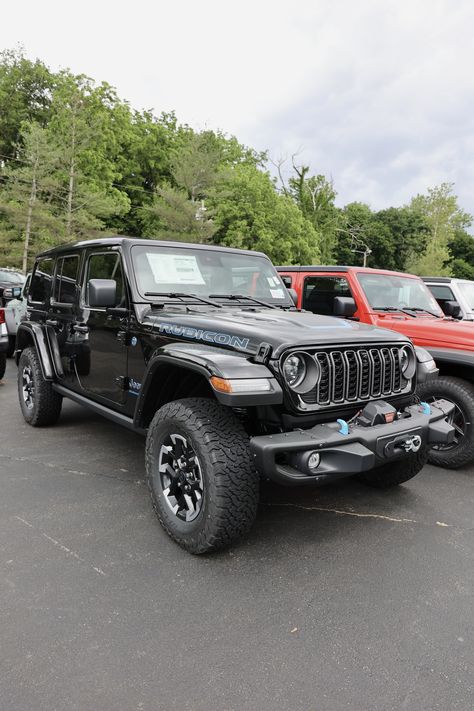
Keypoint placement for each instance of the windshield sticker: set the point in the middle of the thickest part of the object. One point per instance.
(277, 293)
(175, 268)
(198, 334)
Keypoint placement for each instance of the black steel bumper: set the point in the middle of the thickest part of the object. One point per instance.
(279, 456)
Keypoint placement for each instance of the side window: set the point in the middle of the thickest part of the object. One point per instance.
(319, 293)
(40, 286)
(65, 286)
(106, 265)
(287, 280)
(441, 293)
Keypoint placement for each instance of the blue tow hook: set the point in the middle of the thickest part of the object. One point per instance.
(344, 427)
(426, 408)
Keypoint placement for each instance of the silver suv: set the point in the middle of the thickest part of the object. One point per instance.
(455, 296)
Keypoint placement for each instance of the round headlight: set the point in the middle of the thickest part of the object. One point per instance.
(407, 363)
(294, 370)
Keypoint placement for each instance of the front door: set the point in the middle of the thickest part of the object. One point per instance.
(102, 358)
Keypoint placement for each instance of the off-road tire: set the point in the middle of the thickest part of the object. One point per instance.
(3, 364)
(46, 402)
(461, 392)
(397, 472)
(231, 485)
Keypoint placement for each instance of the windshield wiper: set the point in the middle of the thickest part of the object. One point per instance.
(182, 295)
(393, 308)
(418, 308)
(234, 297)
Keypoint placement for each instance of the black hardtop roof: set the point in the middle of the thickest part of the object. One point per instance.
(439, 280)
(122, 240)
(309, 267)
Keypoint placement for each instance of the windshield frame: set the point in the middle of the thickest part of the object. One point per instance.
(430, 307)
(190, 289)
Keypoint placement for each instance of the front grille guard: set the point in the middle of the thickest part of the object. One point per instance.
(351, 374)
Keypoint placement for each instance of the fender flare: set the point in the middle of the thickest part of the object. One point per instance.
(209, 361)
(44, 340)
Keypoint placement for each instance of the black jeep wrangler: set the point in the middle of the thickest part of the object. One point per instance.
(202, 350)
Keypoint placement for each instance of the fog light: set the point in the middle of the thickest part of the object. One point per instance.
(314, 460)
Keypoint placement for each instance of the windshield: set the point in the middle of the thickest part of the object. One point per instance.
(206, 271)
(8, 277)
(467, 290)
(385, 291)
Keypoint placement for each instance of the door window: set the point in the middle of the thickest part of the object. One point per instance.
(40, 286)
(106, 265)
(65, 286)
(319, 293)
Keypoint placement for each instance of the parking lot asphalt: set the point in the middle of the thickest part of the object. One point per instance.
(341, 597)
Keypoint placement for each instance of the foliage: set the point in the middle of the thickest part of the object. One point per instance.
(250, 214)
(76, 161)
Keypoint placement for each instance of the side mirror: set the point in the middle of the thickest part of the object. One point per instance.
(12, 292)
(294, 296)
(452, 308)
(344, 306)
(101, 293)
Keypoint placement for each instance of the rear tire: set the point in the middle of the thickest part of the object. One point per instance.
(395, 473)
(461, 393)
(39, 403)
(3, 364)
(200, 474)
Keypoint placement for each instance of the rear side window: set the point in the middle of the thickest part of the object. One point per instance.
(107, 265)
(65, 287)
(40, 287)
(441, 293)
(319, 293)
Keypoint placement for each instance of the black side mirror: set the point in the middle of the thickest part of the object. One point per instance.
(452, 308)
(294, 296)
(344, 306)
(101, 293)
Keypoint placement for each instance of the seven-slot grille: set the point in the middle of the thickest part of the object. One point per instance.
(353, 374)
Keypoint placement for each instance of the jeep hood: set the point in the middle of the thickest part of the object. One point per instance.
(433, 332)
(246, 330)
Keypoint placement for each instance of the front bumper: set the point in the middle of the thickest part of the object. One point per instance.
(276, 456)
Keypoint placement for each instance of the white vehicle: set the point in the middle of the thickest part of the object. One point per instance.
(455, 296)
(15, 310)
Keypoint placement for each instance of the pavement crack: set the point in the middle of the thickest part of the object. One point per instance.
(60, 545)
(51, 465)
(341, 512)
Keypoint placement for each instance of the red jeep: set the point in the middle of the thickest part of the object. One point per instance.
(401, 302)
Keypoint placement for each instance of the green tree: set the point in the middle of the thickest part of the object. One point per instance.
(315, 196)
(25, 95)
(82, 127)
(249, 213)
(443, 216)
(27, 198)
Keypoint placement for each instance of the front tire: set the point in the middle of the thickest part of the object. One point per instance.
(461, 393)
(3, 364)
(200, 474)
(395, 473)
(39, 403)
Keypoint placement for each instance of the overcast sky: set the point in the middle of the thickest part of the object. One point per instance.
(378, 95)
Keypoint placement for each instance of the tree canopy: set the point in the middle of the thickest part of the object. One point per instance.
(77, 161)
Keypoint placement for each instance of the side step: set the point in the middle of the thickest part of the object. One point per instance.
(103, 410)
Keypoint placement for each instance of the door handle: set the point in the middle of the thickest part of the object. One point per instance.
(51, 322)
(80, 328)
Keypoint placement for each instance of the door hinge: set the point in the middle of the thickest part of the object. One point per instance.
(123, 382)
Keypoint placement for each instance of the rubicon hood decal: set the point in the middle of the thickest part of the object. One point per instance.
(199, 334)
